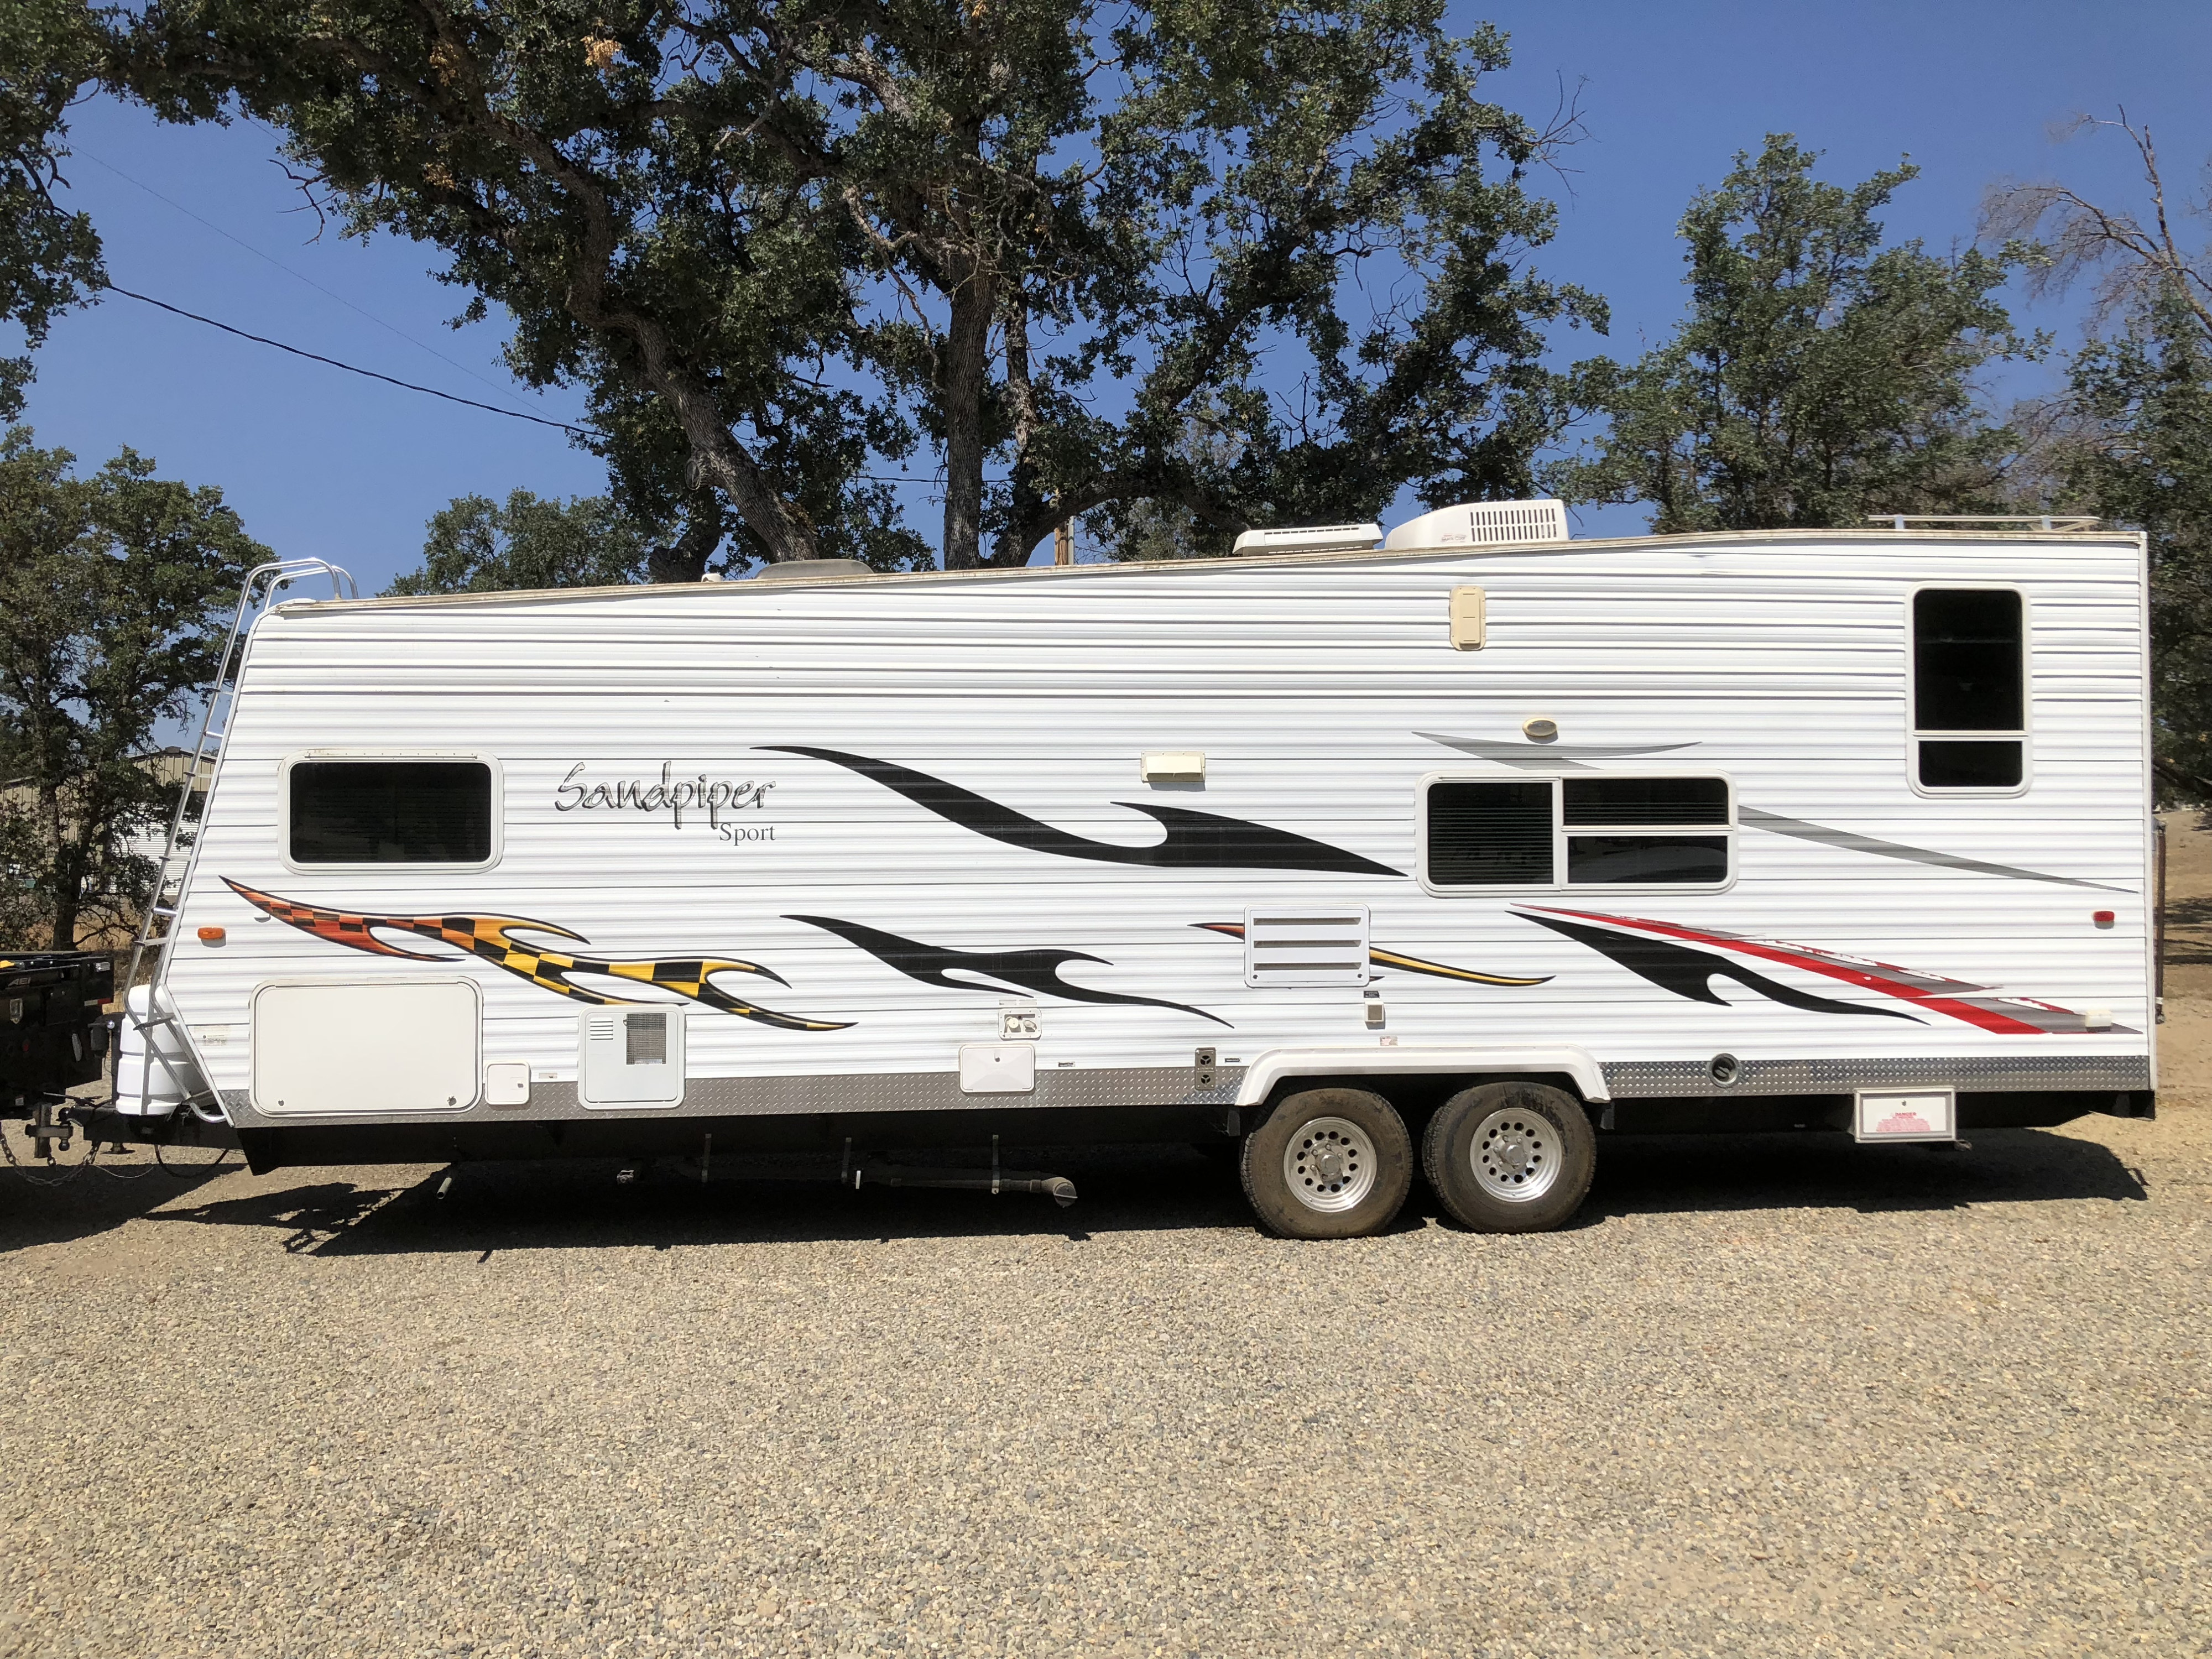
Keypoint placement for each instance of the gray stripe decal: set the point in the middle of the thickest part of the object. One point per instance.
(1852, 841)
(1566, 757)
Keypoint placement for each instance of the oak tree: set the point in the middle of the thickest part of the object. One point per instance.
(1820, 376)
(783, 242)
(115, 593)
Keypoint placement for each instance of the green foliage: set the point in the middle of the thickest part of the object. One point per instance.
(115, 592)
(476, 545)
(1319, 212)
(781, 241)
(48, 258)
(2138, 451)
(1819, 377)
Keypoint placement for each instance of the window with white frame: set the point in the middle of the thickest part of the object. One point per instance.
(1969, 688)
(373, 810)
(1487, 833)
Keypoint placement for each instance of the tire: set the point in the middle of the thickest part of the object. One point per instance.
(1328, 1164)
(1510, 1158)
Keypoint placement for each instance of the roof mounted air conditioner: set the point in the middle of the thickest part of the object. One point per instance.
(1312, 539)
(1481, 523)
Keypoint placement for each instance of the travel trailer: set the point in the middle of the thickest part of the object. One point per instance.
(1469, 848)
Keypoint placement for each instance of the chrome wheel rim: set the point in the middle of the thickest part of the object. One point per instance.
(1515, 1155)
(1329, 1165)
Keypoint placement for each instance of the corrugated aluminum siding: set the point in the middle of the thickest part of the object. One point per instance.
(1305, 683)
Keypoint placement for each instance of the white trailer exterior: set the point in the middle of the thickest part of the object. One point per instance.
(1088, 841)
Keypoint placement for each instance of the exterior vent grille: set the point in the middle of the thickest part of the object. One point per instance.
(1313, 944)
(645, 1039)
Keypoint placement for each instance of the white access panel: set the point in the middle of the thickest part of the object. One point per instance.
(633, 1057)
(998, 1069)
(328, 1047)
(1906, 1115)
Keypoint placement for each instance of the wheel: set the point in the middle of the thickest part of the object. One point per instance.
(1328, 1164)
(1510, 1158)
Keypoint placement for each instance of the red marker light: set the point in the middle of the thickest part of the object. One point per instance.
(2103, 918)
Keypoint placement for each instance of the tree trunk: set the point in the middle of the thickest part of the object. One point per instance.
(67, 876)
(966, 354)
(685, 559)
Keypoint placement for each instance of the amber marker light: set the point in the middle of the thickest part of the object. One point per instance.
(212, 936)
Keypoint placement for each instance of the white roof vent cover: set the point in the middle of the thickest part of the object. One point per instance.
(1481, 523)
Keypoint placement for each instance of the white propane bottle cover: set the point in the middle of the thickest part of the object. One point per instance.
(1481, 523)
(174, 1078)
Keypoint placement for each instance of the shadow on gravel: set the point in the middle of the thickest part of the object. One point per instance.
(2189, 932)
(575, 1204)
(481, 1209)
(1659, 1174)
(91, 1201)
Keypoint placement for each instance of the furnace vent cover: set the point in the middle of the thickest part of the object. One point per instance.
(633, 1057)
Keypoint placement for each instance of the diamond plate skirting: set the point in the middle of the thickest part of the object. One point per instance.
(1650, 1079)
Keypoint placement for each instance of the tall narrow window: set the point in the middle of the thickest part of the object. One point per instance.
(1969, 688)
(390, 811)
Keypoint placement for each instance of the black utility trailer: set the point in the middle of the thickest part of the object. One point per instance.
(54, 1032)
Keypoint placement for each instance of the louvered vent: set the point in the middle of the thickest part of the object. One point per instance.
(1518, 521)
(1313, 944)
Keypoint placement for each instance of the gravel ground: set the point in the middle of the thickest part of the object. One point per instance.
(1786, 1397)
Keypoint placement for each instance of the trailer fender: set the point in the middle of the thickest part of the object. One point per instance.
(1271, 1067)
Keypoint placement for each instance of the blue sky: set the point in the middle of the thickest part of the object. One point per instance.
(321, 462)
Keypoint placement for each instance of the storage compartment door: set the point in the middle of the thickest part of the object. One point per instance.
(333, 1047)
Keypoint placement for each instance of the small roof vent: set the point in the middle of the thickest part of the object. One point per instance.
(1481, 523)
(1312, 539)
(810, 570)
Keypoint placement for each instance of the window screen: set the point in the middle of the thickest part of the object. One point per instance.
(1657, 801)
(1489, 834)
(395, 811)
(1969, 675)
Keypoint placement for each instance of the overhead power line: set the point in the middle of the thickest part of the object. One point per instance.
(570, 426)
(367, 373)
(297, 276)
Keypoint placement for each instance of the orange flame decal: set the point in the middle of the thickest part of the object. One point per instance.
(491, 938)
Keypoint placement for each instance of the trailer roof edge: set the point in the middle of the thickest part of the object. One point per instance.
(1332, 556)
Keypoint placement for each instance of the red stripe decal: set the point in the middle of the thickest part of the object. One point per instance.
(1988, 1018)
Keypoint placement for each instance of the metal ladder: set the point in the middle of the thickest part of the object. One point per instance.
(180, 852)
